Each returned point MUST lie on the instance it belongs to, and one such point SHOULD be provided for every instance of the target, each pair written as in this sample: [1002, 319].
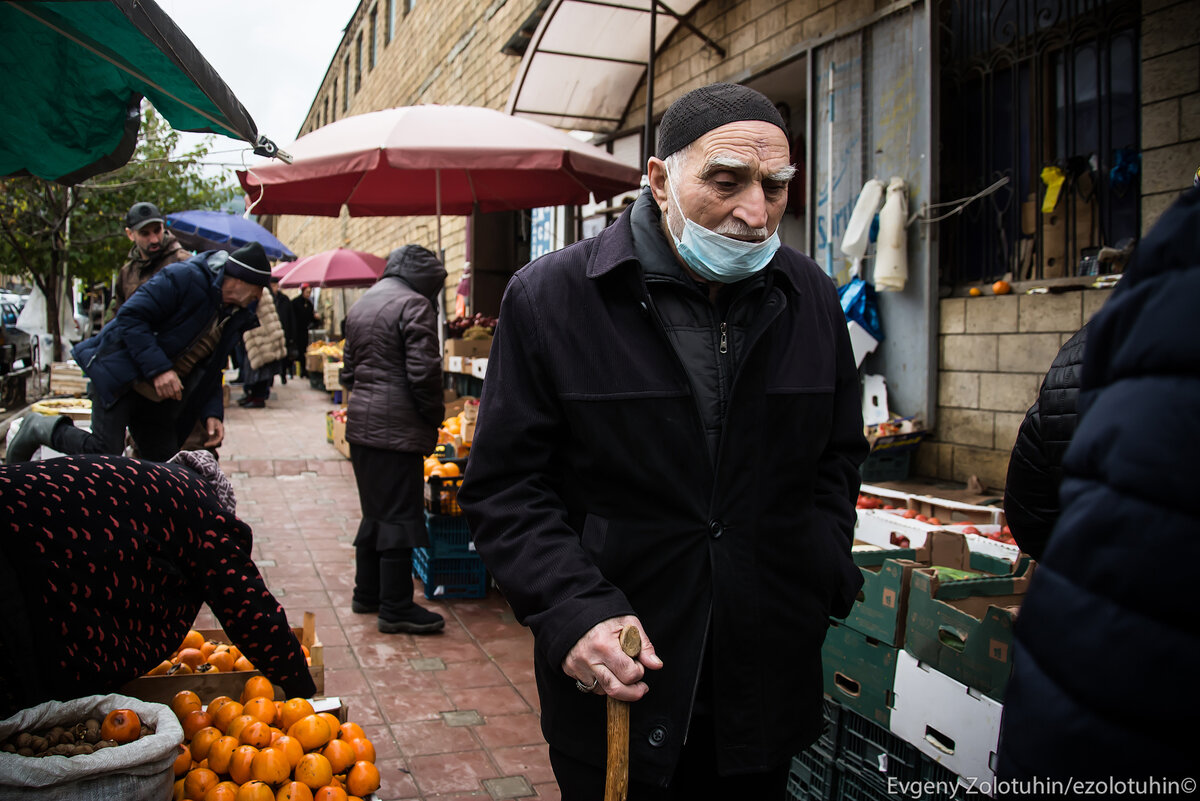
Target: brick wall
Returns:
[993, 352]
[1170, 94]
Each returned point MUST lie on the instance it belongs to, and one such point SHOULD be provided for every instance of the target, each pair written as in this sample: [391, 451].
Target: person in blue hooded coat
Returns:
[156, 368]
[1107, 644]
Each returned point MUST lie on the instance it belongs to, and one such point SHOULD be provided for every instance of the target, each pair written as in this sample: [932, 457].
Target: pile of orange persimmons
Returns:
[198, 655]
[260, 749]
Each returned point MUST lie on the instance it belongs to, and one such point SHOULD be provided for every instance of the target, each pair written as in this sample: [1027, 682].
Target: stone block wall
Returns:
[993, 352]
[1170, 94]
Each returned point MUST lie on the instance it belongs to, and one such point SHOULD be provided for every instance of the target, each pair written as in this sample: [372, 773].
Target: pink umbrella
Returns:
[434, 159]
[334, 268]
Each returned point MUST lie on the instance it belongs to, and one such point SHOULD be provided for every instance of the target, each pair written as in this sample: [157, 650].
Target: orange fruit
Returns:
[221, 753]
[312, 731]
[185, 701]
[256, 733]
[351, 731]
[258, 687]
[330, 793]
[242, 663]
[203, 740]
[974, 291]
[364, 749]
[240, 722]
[291, 749]
[221, 661]
[214, 706]
[190, 657]
[241, 764]
[207, 647]
[335, 725]
[183, 760]
[194, 721]
[261, 708]
[430, 463]
[314, 770]
[293, 710]
[225, 715]
[122, 725]
[270, 766]
[1001, 288]
[363, 778]
[340, 755]
[161, 668]
[224, 791]
[197, 782]
[193, 639]
[450, 470]
[255, 791]
[294, 791]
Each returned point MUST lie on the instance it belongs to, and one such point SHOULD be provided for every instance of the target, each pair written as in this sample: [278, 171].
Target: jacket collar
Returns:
[614, 248]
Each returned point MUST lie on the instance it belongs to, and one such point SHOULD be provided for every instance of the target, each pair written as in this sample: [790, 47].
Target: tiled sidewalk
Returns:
[452, 715]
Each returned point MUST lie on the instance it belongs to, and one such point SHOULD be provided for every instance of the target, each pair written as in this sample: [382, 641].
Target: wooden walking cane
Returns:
[616, 780]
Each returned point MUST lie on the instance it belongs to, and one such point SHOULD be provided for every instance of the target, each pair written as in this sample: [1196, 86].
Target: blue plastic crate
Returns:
[813, 776]
[874, 752]
[448, 535]
[450, 577]
[441, 495]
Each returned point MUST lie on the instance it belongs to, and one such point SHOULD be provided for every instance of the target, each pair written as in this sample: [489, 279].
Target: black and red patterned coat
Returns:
[104, 565]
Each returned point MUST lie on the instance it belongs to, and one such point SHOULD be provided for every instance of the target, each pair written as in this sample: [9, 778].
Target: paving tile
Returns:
[503, 731]
[419, 738]
[509, 787]
[461, 675]
[406, 707]
[530, 761]
[455, 772]
[489, 700]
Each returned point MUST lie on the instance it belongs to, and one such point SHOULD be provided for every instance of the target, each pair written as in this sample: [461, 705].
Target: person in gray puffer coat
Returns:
[393, 368]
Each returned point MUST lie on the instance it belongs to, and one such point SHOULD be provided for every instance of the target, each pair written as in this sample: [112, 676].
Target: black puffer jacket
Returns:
[1107, 644]
[1035, 469]
[392, 361]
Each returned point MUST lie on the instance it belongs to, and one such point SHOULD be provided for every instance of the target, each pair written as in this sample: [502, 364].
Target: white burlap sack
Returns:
[137, 771]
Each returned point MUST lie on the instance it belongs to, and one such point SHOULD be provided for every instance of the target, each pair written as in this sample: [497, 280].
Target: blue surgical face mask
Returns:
[716, 257]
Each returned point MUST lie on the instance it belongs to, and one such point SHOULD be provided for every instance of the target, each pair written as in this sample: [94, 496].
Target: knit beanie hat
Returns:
[709, 107]
[249, 263]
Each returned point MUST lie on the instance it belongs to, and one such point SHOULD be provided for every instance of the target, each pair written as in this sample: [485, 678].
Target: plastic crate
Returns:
[453, 577]
[448, 535]
[813, 776]
[316, 380]
[828, 741]
[441, 495]
[855, 786]
[874, 752]
[886, 465]
[934, 774]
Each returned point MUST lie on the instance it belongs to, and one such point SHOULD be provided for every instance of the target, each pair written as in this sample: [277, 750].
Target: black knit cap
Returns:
[709, 107]
[249, 263]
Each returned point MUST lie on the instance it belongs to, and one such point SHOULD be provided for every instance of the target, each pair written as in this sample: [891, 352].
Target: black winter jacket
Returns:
[1035, 468]
[391, 361]
[591, 493]
[1107, 643]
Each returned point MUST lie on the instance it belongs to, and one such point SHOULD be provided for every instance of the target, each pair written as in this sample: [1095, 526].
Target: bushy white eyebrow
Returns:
[782, 175]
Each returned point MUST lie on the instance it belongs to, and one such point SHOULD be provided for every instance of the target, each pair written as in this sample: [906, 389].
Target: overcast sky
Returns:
[271, 53]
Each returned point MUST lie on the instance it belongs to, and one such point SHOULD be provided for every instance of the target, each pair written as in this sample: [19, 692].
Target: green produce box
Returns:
[858, 672]
[964, 628]
[880, 611]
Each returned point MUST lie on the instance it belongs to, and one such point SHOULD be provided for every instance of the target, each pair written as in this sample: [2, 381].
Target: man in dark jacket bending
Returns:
[156, 369]
[669, 437]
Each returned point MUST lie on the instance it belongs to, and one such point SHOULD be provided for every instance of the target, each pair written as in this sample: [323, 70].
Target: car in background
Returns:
[19, 339]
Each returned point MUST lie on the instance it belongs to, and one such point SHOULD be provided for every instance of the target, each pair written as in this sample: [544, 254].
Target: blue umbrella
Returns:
[216, 230]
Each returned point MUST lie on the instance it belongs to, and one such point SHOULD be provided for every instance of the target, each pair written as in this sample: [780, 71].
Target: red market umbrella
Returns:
[333, 268]
[433, 159]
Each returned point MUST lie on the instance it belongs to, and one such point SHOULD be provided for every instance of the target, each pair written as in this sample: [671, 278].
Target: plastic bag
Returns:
[137, 771]
[860, 305]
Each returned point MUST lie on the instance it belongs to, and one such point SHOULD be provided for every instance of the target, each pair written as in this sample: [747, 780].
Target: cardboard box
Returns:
[332, 382]
[949, 512]
[858, 672]
[314, 362]
[66, 378]
[947, 721]
[467, 433]
[964, 628]
[226, 395]
[479, 367]
[861, 342]
[881, 610]
[454, 364]
[161, 689]
[471, 348]
[329, 426]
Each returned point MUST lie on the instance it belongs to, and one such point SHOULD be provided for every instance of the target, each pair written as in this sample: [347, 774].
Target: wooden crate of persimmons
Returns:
[250, 747]
[208, 664]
